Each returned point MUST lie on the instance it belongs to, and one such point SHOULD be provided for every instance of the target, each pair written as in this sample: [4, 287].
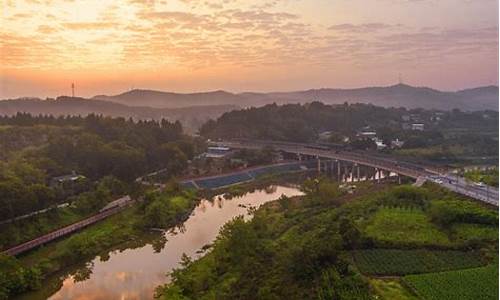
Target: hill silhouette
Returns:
[190, 117]
[400, 95]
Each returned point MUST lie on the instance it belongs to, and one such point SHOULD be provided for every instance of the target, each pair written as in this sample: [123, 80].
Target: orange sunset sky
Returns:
[108, 47]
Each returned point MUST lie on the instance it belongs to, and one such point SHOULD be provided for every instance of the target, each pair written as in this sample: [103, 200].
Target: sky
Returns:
[109, 47]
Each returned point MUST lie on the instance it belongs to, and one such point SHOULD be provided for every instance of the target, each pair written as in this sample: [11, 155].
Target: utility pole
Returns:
[73, 89]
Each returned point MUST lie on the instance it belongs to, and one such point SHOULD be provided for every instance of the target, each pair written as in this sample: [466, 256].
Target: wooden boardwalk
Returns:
[64, 231]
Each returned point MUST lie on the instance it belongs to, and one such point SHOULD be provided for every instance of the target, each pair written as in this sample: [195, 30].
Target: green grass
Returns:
[390, 289]
[403, 262]
[469, 284]
[25, 230]
[88, 242]
[404, 226]
[464, 232]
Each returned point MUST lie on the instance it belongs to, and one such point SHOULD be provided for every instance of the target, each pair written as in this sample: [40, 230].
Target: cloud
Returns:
[209, 35]
[367, 27]
[89, 25]
[46, 29]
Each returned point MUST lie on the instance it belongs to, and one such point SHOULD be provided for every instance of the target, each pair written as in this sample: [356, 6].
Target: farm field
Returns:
[405, 226]
[470, 284]
[404, 262]
[464, 232]
[391, 289]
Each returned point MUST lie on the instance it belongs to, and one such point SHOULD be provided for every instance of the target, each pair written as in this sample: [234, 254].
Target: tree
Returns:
[363, 144]
[350, 233]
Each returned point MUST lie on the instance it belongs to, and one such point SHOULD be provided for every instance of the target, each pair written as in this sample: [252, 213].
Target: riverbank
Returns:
[134, 271]
[128, 229]
[330, 244]
[123, 230]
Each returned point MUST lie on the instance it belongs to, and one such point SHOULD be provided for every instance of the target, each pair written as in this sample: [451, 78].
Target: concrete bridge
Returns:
[418, 172]
[311, 150]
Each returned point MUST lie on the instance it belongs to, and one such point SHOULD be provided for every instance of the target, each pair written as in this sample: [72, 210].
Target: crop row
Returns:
[403, 262]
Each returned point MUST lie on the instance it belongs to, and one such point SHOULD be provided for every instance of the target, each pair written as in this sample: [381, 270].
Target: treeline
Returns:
[92, 146]
[296, 122]
[459, 133]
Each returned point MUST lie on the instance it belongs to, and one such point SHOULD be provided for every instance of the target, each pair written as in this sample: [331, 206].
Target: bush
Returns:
[446, 212]
[16, 279]
[404, 196]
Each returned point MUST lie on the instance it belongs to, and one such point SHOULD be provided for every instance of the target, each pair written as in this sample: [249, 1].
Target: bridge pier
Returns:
[357, 171]
[338, 171]
[319, 165]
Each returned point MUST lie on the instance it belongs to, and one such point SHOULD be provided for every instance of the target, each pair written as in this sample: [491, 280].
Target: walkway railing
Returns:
[63, 231]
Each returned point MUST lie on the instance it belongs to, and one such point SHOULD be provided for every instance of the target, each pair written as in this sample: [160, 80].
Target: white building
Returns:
[417, 126]
[217, 152]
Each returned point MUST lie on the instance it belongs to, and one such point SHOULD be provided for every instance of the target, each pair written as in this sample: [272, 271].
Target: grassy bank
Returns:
[21, 231]
[127, 229]
[300, 249]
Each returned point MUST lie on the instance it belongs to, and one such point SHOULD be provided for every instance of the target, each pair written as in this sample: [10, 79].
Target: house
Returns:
[415, 117]
[380, 144]
[417, 126]
[123, 201]
[368, 134]
[65, 180]
[397, 143]
[325, 135]
[217, 152]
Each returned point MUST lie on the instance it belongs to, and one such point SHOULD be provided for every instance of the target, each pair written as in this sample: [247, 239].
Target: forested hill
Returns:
[172, 100]
[296, 122]
[190, 117]
[400, 95]
[35, 150]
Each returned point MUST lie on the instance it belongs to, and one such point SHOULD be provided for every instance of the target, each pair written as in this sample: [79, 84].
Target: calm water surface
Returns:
[134, 273]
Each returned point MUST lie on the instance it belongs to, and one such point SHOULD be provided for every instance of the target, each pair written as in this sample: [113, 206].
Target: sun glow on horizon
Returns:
[188, 45]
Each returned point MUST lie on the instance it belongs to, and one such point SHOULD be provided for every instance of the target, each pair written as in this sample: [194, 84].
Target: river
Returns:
[134, 273]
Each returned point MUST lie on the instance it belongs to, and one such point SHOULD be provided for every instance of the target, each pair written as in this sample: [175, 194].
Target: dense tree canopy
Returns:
[35, 149]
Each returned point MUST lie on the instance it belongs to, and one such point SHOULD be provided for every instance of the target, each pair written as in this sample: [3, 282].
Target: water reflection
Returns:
[134, 273]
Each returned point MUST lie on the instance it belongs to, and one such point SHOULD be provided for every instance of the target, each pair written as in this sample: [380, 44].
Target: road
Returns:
[457, 184]
[460, 185]
[41, 211]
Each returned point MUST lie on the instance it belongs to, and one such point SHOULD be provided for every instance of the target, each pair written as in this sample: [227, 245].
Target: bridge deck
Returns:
[460, 185]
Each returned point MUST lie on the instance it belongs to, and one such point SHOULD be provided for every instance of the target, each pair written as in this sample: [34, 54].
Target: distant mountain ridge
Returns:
[190, 117]
[171, 100]
[399, 95]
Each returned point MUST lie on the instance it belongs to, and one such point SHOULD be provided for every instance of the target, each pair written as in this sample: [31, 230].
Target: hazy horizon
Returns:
[68, 92]
[279, 45]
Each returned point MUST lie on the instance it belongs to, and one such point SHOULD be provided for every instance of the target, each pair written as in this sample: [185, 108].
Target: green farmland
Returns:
[403, 262]
[405, 226]
[469, 284]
